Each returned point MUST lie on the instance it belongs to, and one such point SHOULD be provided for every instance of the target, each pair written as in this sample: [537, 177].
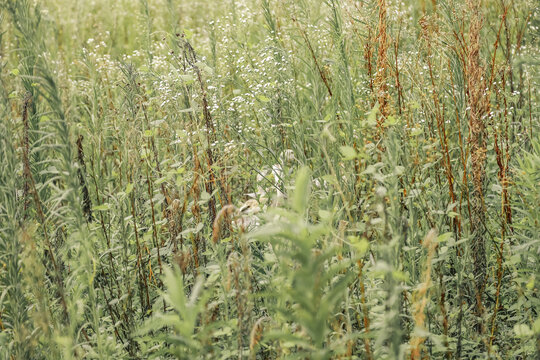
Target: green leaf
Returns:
[301, 191]
[444, 237]
[205, 196]
[360, 245]
[372, 115]
[263, 98]
[325, 215]
[225, 331]
[522, 330]
[102, 207]
[392, 120]
[186, 78]
[536, 326]
[348, 152]
[400, 276]
[188, 33]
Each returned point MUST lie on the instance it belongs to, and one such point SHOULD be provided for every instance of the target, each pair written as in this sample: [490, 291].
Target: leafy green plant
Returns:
[178, 332]
[265, 178]
[311, 282]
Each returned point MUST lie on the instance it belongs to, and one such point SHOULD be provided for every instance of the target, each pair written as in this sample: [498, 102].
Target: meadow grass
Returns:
[269, 179]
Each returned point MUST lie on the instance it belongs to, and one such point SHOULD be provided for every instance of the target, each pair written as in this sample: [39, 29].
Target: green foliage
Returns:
[267, 179]
[186, 338]
[308, 284]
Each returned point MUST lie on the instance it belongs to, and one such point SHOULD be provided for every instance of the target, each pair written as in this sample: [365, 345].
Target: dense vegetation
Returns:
[269, 179]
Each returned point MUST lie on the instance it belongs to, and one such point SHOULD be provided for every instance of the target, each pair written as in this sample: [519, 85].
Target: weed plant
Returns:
[269, 179]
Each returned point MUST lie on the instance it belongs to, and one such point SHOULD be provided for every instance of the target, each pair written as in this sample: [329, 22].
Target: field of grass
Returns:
[269, 179]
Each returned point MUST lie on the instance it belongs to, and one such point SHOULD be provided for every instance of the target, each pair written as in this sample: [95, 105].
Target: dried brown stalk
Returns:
[381, 81]
[421, 297]
[478, 103]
